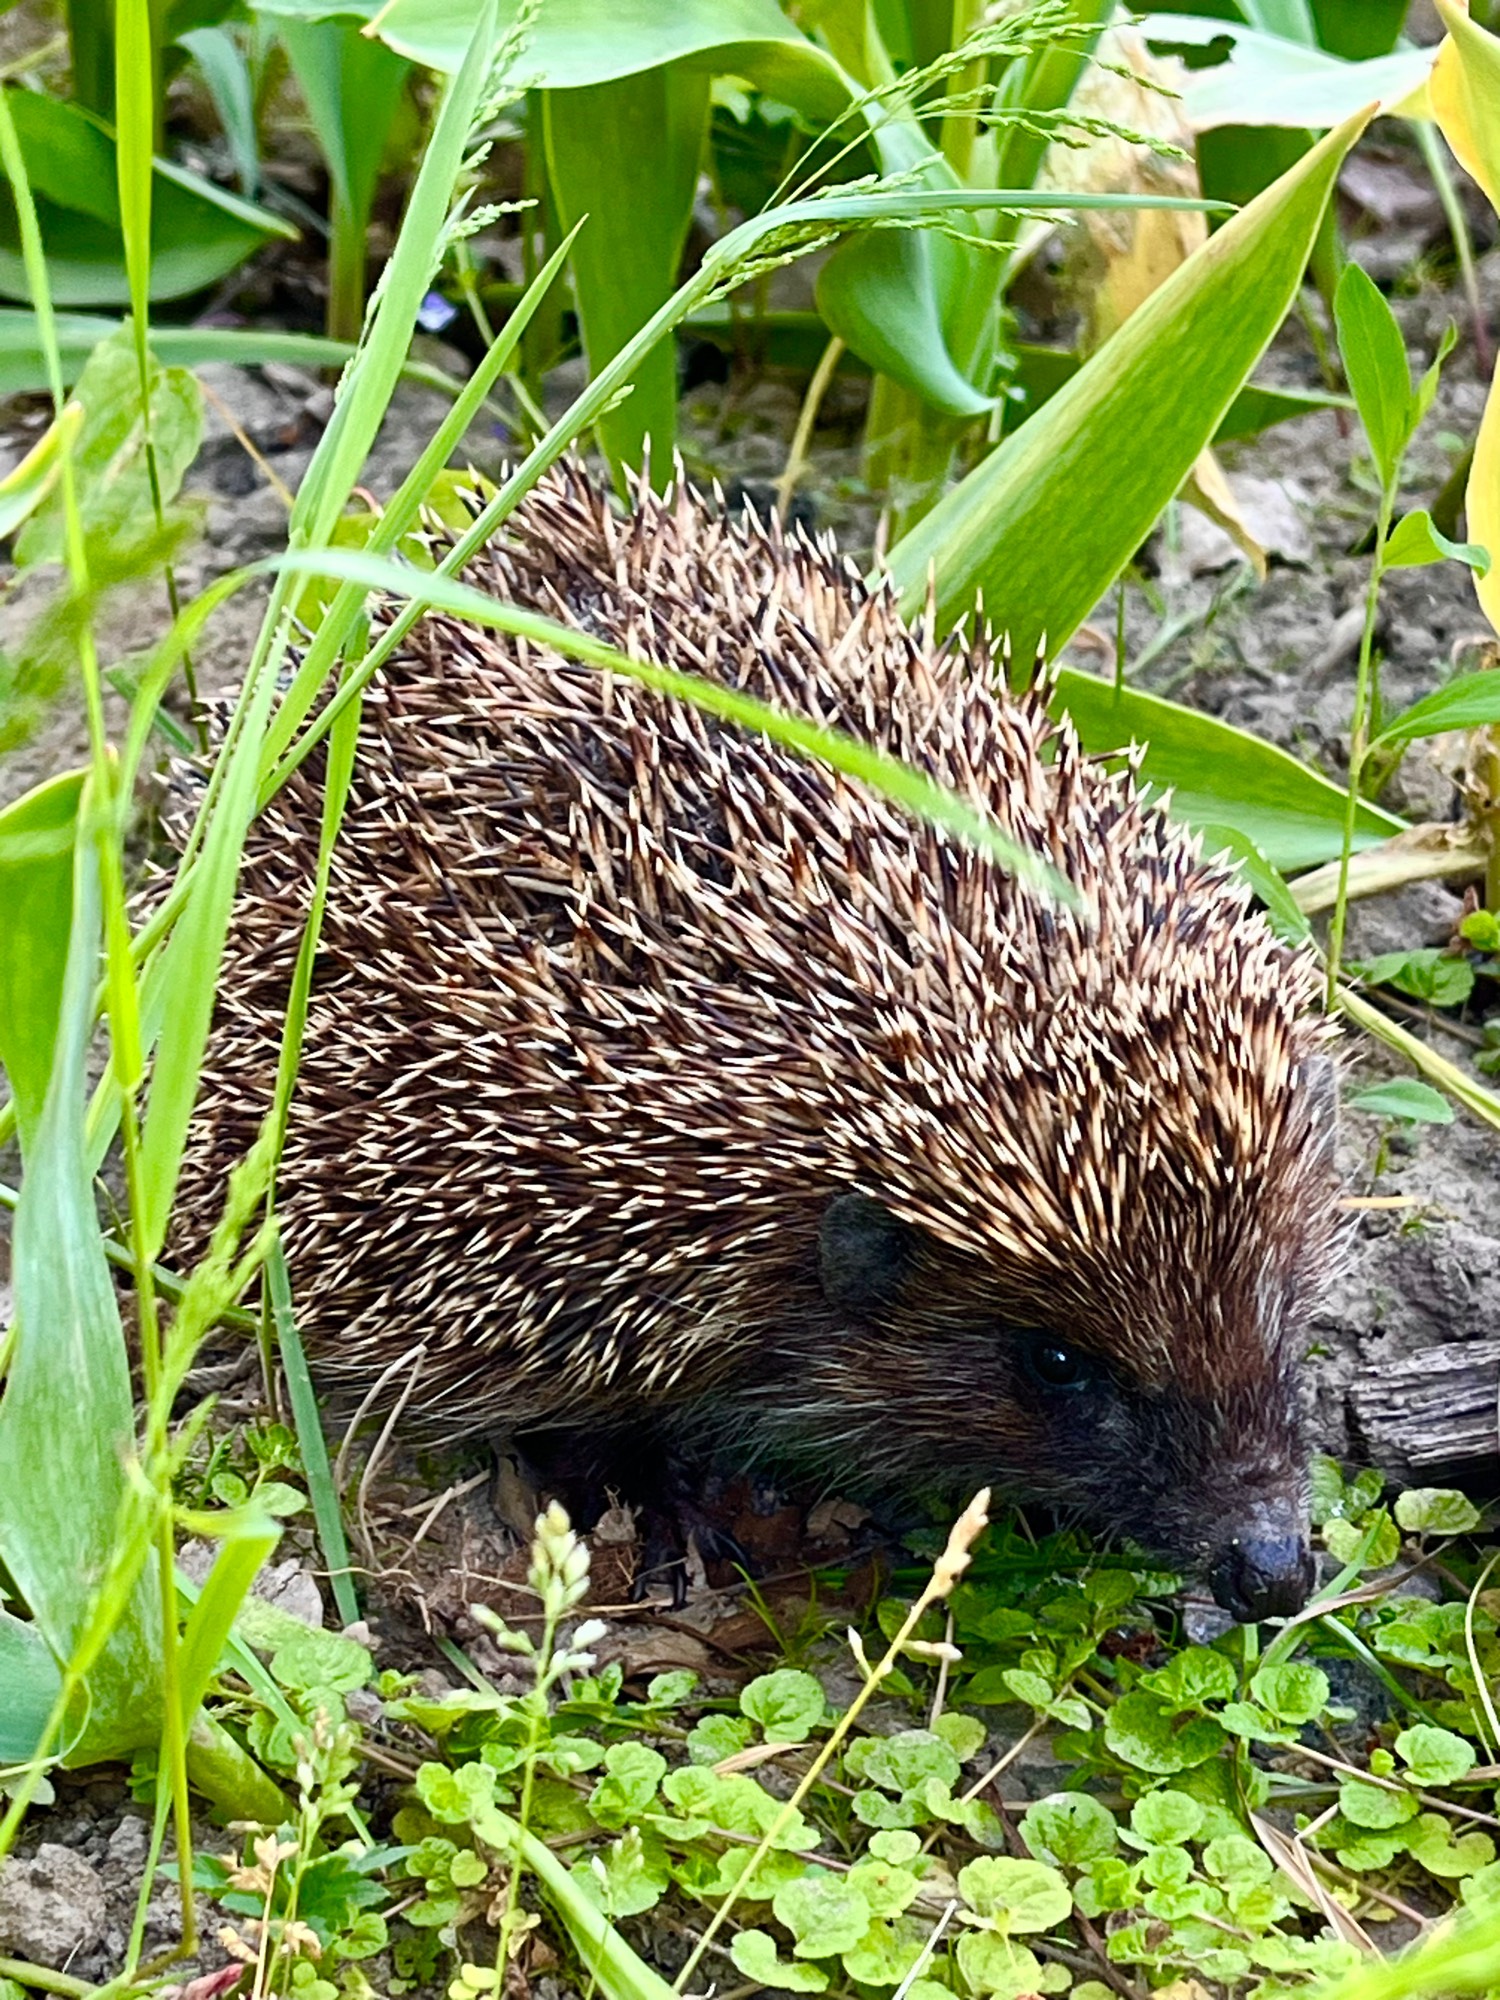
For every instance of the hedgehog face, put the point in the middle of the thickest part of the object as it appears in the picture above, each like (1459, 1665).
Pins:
(1204, 1472)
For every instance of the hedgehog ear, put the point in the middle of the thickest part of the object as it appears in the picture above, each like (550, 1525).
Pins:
(863, 1252)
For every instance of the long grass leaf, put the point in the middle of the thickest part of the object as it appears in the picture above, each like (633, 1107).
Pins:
(313, 1445)
(188, 972)
(899, 782)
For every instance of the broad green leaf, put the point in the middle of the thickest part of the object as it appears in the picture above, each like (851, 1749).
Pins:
(32, 1682)
(625, 155)
(571, 44)
(353, 88)
(879, 294)
(67, 1417)
(27, 485)
(1402, 1097)
(1271, 80)
(1043, 526)
(36, 894)
(1465, 88)
(1269, 884)
(1041, 371)
(1374, 357)
(198, 231)
(110, 466)
(1471, 701)
(1415, 540)
(1221, 777)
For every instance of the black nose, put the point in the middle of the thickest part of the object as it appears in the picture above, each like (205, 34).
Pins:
(1263, 1575)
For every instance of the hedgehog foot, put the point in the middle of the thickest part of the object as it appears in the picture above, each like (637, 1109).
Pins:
(679, 1531)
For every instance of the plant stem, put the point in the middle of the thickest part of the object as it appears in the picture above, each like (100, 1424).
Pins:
(807, 417)
(1359, 730)
(946, 1571)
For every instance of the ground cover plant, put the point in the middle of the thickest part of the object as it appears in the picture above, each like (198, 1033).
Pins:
(1253, 1812)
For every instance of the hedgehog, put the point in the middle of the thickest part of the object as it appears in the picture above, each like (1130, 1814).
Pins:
(665, 1088)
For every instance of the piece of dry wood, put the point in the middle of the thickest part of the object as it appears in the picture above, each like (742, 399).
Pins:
(1435, 1410)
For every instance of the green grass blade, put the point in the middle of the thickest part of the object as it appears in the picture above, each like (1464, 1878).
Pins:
(367, 388)
(185, 977)
(1040, 529)
(246, 1541)
(135, 115)
(404, 507)
(899, 782)
(310, 1439)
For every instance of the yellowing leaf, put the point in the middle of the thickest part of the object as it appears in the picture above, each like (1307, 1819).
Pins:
(26, 486)
(1464, 89)
(1465, 92)
(1211, 493)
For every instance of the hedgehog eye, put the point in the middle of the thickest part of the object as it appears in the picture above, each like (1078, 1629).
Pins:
(1055, 1365)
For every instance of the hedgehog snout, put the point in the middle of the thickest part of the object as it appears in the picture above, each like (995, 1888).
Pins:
(1265, 1570)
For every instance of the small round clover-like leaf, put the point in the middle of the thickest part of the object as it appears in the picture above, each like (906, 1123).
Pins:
(311, 1659)
(1346, 1539)
(1377, 1807)
(632, 1773)
(1233, 1857)
(788, 1705)
(1015, 1895)
(1031, 1688)
(1295, 1693)
(1165, 1818)
(1069, 1829)
(714, 1737)
(995, 1967)
(1435, 1510)
(628, 1878)
(886, 1888)
(754, 1953)
(886, 1953)
(1166, 1867)
(901, 1762)
(1193, 1677)
(1148, 1733)
(896, 1846)
(1431, 1840)
(823, 1913)
(963, 1734)
(1481, 1891)
(1247, 1720)
(1436, 1756)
